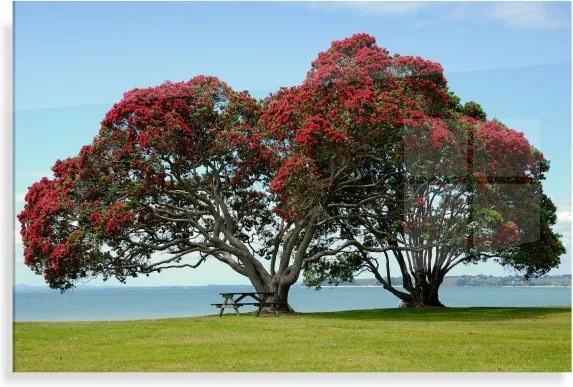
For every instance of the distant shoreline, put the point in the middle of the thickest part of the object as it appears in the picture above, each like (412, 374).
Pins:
(450, 286)
(20, 287)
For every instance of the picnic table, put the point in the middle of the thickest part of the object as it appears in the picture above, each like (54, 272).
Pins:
(235, 301)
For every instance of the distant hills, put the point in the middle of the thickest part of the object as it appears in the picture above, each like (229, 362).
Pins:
(464, 280)
(477, 280)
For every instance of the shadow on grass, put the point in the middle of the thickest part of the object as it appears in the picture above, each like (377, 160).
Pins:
(444, 314)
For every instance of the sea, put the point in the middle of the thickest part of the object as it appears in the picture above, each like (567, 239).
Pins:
(135, 303)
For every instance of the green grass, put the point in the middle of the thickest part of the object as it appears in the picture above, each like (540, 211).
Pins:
(397, 340)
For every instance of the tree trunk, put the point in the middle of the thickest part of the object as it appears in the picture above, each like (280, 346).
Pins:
(425, 294)
(275, 286)
(281, 299)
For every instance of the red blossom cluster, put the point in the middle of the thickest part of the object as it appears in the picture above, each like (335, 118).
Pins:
(147, 141)
(500, 151)
(298, 185)
(42, 221)
(180, 118)
(112, 218)
(355, 101)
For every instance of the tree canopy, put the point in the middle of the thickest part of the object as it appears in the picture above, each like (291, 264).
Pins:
(372, 154)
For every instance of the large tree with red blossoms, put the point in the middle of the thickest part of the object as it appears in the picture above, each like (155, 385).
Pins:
(367, 156)
(435, 184)
(461, 206)
(178, 174)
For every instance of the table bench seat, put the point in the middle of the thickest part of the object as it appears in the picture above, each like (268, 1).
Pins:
(234, 300)
(236, 304)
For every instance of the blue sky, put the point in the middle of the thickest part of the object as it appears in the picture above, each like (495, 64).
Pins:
(72, 61)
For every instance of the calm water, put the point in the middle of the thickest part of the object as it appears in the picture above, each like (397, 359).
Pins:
(144, 303)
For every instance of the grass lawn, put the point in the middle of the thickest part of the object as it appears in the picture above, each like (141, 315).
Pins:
(397, 340)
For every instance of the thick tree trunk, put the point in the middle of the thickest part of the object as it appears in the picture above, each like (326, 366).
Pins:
(425, 297)
(425, 294)
(281, 299)
(265, 284)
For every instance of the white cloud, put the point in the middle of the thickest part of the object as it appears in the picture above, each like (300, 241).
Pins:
(17, 238)
(563, 227)
(565, 216)
(377, 8)
(19, 197)
(458, 12)
(524, 15)
(521, 15)
(384, 8)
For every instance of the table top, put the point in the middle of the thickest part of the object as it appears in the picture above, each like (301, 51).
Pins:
(246, 293)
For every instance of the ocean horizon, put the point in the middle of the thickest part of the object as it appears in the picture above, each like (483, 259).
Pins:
(118, 303)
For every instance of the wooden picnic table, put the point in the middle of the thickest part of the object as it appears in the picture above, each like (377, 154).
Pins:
(235, 301)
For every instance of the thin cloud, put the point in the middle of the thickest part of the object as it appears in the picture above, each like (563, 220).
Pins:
(17, 238)
(563, 229)
(19, 197)
(458, 12)
(525, 15)
(384, 8)
(563, 225)
(565, 216)
(378, 8)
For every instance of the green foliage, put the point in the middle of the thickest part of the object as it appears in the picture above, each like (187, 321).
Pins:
(454, 102)
(470, 108)
(538, 257)
(332, 272)
(474, 110)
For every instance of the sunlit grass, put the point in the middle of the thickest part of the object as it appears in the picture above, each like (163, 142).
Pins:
(397, 340)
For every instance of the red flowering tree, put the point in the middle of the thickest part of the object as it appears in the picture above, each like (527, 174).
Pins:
(466, 202)
(340, 135)
(186, 172)
(178, 174)
(393, 165)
